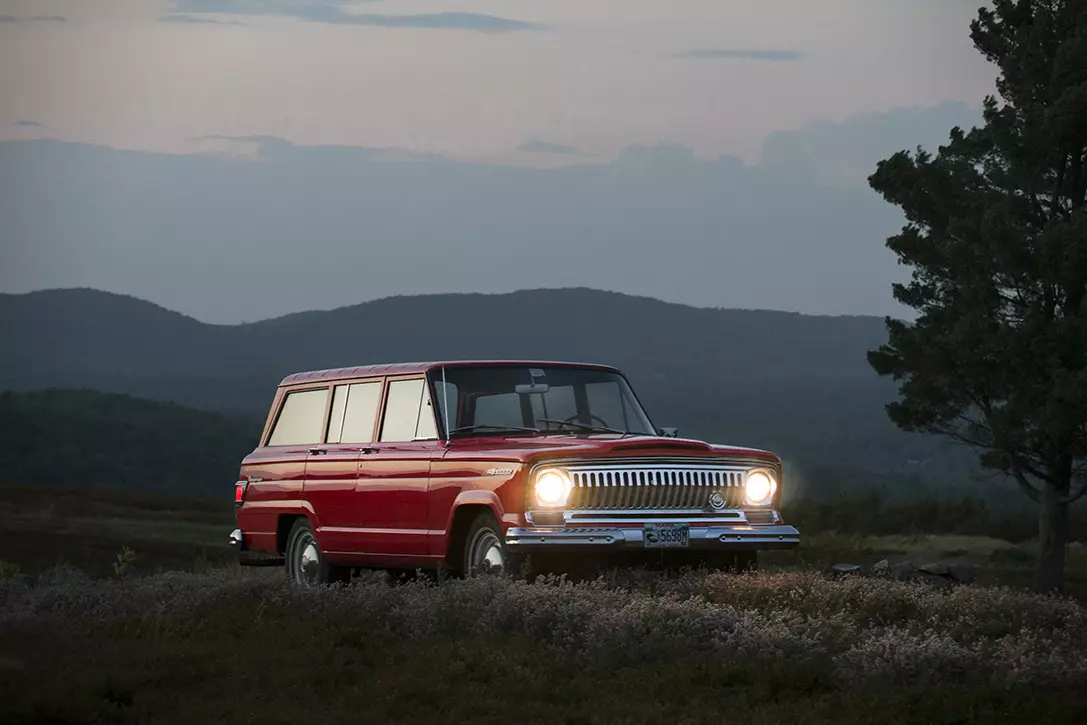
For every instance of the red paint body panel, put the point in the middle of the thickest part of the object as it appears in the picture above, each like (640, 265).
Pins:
(393, 504)
(391, 507)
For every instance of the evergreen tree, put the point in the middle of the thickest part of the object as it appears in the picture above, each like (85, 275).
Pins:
(996, 235)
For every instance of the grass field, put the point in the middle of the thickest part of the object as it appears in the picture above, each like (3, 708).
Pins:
(187, 637)
(241, 646)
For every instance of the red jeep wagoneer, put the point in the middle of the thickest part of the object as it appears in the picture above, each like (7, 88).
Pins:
(477, 466)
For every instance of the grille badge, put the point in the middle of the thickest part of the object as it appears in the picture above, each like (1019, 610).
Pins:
(717, 501)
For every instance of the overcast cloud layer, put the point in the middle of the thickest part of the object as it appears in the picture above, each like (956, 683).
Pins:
(238, 159)
(244, 237)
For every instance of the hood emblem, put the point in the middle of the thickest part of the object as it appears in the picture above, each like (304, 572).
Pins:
(717, 501)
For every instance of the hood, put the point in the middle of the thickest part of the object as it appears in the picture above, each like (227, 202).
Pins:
(529, 449)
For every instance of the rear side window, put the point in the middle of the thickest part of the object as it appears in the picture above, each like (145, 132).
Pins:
(354, 412)
(408, 413)
(300, 418)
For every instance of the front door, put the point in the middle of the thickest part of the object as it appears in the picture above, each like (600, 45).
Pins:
(394, 474)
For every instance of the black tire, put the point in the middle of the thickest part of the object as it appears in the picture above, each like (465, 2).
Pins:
(485, 551)
(306, 563)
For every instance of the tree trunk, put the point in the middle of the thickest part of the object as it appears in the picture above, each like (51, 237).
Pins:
(1052, 537)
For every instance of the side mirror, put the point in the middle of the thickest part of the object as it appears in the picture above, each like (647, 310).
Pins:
(669, 432)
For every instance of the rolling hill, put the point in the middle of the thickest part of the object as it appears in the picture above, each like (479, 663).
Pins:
(84, 437)
(797, 384)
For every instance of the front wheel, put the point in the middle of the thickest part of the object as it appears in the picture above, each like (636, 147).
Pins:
(306, 564)
(485, 551)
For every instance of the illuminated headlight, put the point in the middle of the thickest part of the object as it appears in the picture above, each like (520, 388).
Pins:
(552, 488)
(760, 488)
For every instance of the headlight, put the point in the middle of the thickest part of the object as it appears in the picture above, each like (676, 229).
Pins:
(552, 488)
(760, 488)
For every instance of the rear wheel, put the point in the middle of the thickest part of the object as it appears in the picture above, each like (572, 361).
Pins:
(485, 551)
(306, 563)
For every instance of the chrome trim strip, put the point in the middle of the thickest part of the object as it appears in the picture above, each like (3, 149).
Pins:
(617, 516)
(781, 536)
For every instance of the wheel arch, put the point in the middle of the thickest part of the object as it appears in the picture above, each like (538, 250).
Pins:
(463, 516)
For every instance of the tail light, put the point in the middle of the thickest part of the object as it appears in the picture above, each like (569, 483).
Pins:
(239, 492)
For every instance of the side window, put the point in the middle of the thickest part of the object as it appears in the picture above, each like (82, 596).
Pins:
(427, 429)
(300, 418)
(335, 415)
(408, 414)
(361, 412)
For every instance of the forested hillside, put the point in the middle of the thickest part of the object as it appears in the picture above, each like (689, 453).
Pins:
(797, 384)
(77, 437)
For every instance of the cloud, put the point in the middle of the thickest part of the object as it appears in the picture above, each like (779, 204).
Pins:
(332, 12)
(708, 53)
(658, 219)
(846, 153)
(251, 7)
(195, 20)
(33, 19)
(435, 21)
(539, 146)
(28, 124)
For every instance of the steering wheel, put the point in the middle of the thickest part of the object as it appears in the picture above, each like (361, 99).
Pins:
(572, 420)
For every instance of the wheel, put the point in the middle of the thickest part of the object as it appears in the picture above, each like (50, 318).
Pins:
(485, 549)
(306, 565)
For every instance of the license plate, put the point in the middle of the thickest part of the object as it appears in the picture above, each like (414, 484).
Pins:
(665, 536)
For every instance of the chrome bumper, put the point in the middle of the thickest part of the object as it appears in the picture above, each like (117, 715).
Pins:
(701, 537)
(237, 541)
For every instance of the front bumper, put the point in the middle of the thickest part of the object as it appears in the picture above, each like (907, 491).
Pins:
(722, 538)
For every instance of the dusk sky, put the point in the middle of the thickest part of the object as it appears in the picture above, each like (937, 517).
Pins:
(709, 152)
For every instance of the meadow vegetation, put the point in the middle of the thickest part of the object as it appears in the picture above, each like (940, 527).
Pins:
(236, 645)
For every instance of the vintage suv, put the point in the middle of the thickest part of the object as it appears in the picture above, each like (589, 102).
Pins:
(482, 466)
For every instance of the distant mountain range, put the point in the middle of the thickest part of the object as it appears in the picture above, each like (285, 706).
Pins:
(797, 384)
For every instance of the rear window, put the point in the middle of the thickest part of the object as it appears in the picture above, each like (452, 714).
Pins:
(300, 418)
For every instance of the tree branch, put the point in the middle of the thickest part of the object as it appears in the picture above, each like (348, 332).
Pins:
(1075, 494)
(1024, 485)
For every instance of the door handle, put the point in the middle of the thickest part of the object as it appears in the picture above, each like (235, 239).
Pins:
(318, 451)
(367, 450)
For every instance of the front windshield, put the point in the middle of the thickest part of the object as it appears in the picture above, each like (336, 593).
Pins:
(523, 400)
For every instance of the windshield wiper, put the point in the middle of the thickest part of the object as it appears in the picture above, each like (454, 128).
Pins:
(584, 426)
(496, 427)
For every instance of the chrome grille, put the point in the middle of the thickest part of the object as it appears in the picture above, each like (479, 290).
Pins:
(655, 486)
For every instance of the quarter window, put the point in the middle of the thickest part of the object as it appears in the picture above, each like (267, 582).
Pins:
(408, 413)
(360, 412)
(299, 421)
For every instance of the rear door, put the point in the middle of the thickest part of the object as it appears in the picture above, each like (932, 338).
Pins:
(393, 478)
(332, 468)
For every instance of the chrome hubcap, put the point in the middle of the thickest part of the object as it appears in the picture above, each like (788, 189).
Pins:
(309, 562)
(486, 554)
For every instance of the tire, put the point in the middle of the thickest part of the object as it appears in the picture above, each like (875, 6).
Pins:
(485, 552)
(306, 563)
